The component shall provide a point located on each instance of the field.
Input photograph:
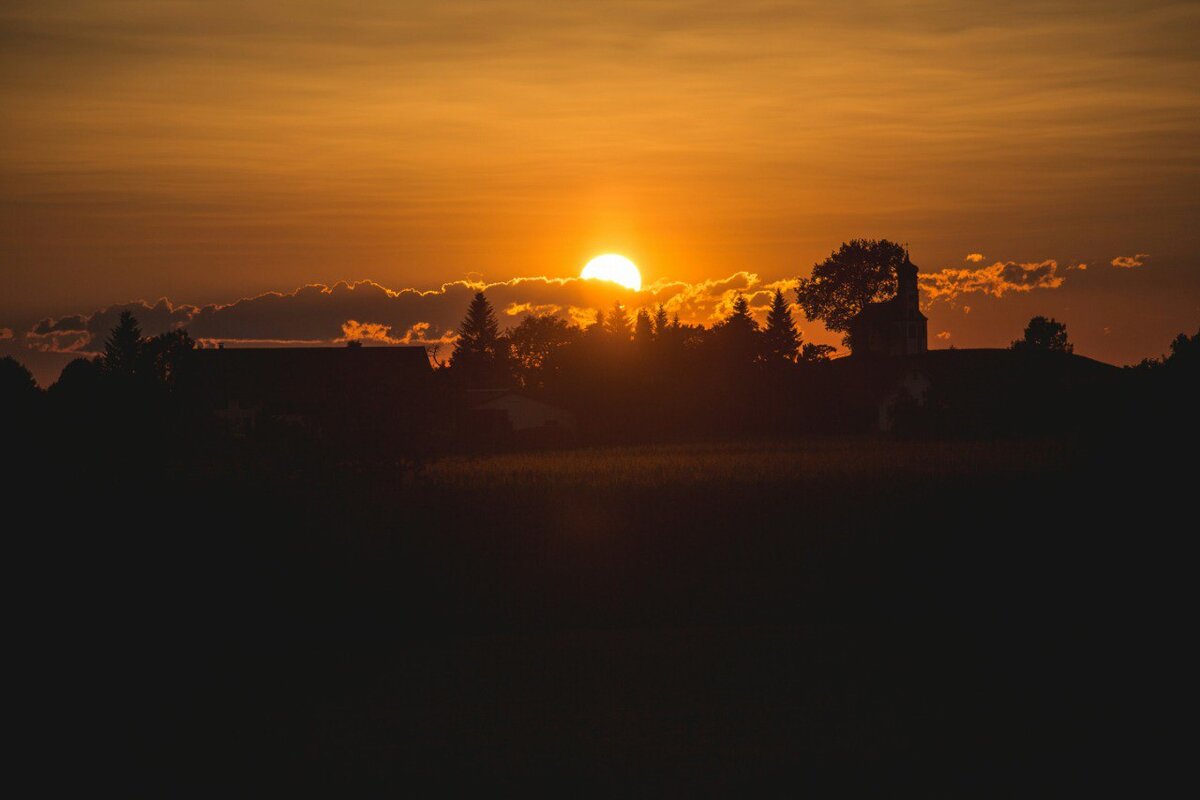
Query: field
(945, 616)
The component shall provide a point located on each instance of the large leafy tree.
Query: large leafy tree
(164, 356)
(781, 342)
(18, 389)
(1046, 334)
(535, 344)
(859, 272)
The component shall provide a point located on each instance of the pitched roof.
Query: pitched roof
(311, 376)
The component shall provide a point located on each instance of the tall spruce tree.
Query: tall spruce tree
(737, 336)
(661, 322)
(123, 347)
(643, 328)
(479, 350)
(616, 324)
(781, 342)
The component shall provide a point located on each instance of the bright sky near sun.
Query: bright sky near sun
(210, 151)
(615, 268)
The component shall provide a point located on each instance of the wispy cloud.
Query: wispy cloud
(1130, 262)
(996, 280)
(974, 258)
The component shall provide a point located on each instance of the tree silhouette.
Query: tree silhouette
(737, 336)
(643, 328)
(812, 353)
(479, 352)
(1185, 352)
(18, 389)
(1045, 334)
(661, 322)
(616, 323)
(122, 348)
(780, 340)
(80, 379)
(165, 355)
(857, 273)
(535, 343)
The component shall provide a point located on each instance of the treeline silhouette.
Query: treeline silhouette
(645, 377)
(648, 375)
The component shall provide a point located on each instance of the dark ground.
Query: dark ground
(960, 631)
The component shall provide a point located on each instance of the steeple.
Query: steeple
(906, 280)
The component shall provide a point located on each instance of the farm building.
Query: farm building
(970, 391)
(345, 393)
(507, 415)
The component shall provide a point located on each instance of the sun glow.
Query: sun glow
(615, 268)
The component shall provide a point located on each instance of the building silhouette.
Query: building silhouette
(893, 327)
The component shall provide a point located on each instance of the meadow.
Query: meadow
(947, 616)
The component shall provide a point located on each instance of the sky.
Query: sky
(274, 171)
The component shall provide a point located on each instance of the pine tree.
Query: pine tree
(660, 320)
(122, 349)
(643, 328)
(780, 340)
(737, 335)
(479, 350)
(616, 323)
(740, 318)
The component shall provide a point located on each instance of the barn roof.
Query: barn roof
(312, 376)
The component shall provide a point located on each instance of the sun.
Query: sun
(615, 268)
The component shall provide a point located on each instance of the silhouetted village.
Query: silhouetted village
(637, 554)
(548, 382)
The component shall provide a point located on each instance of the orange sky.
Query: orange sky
(209, 151)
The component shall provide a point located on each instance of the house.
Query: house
(971, 392)
(893, 327)
(503, 415)
(340, 393)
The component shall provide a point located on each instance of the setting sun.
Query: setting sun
(615, 268)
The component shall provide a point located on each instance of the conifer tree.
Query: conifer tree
(479, 350)
(643, 328)
(737, 335)
(740, 318)
(122, 349)
(660, 320)
(616, 323)
(780, 340)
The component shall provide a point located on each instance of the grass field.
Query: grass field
(745, 463)
(946, 617)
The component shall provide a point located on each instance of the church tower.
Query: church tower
(908, 298)
(894, 327)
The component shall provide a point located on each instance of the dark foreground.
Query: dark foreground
(855, 616)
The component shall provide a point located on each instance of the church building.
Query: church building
(894, 327)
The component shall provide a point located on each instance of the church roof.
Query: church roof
(884, 312)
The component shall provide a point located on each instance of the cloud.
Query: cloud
(996, 280)
(372, 313)
(974, 258)
(84, 334)
(1130, 262)
(6, 334)
(944, 335)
